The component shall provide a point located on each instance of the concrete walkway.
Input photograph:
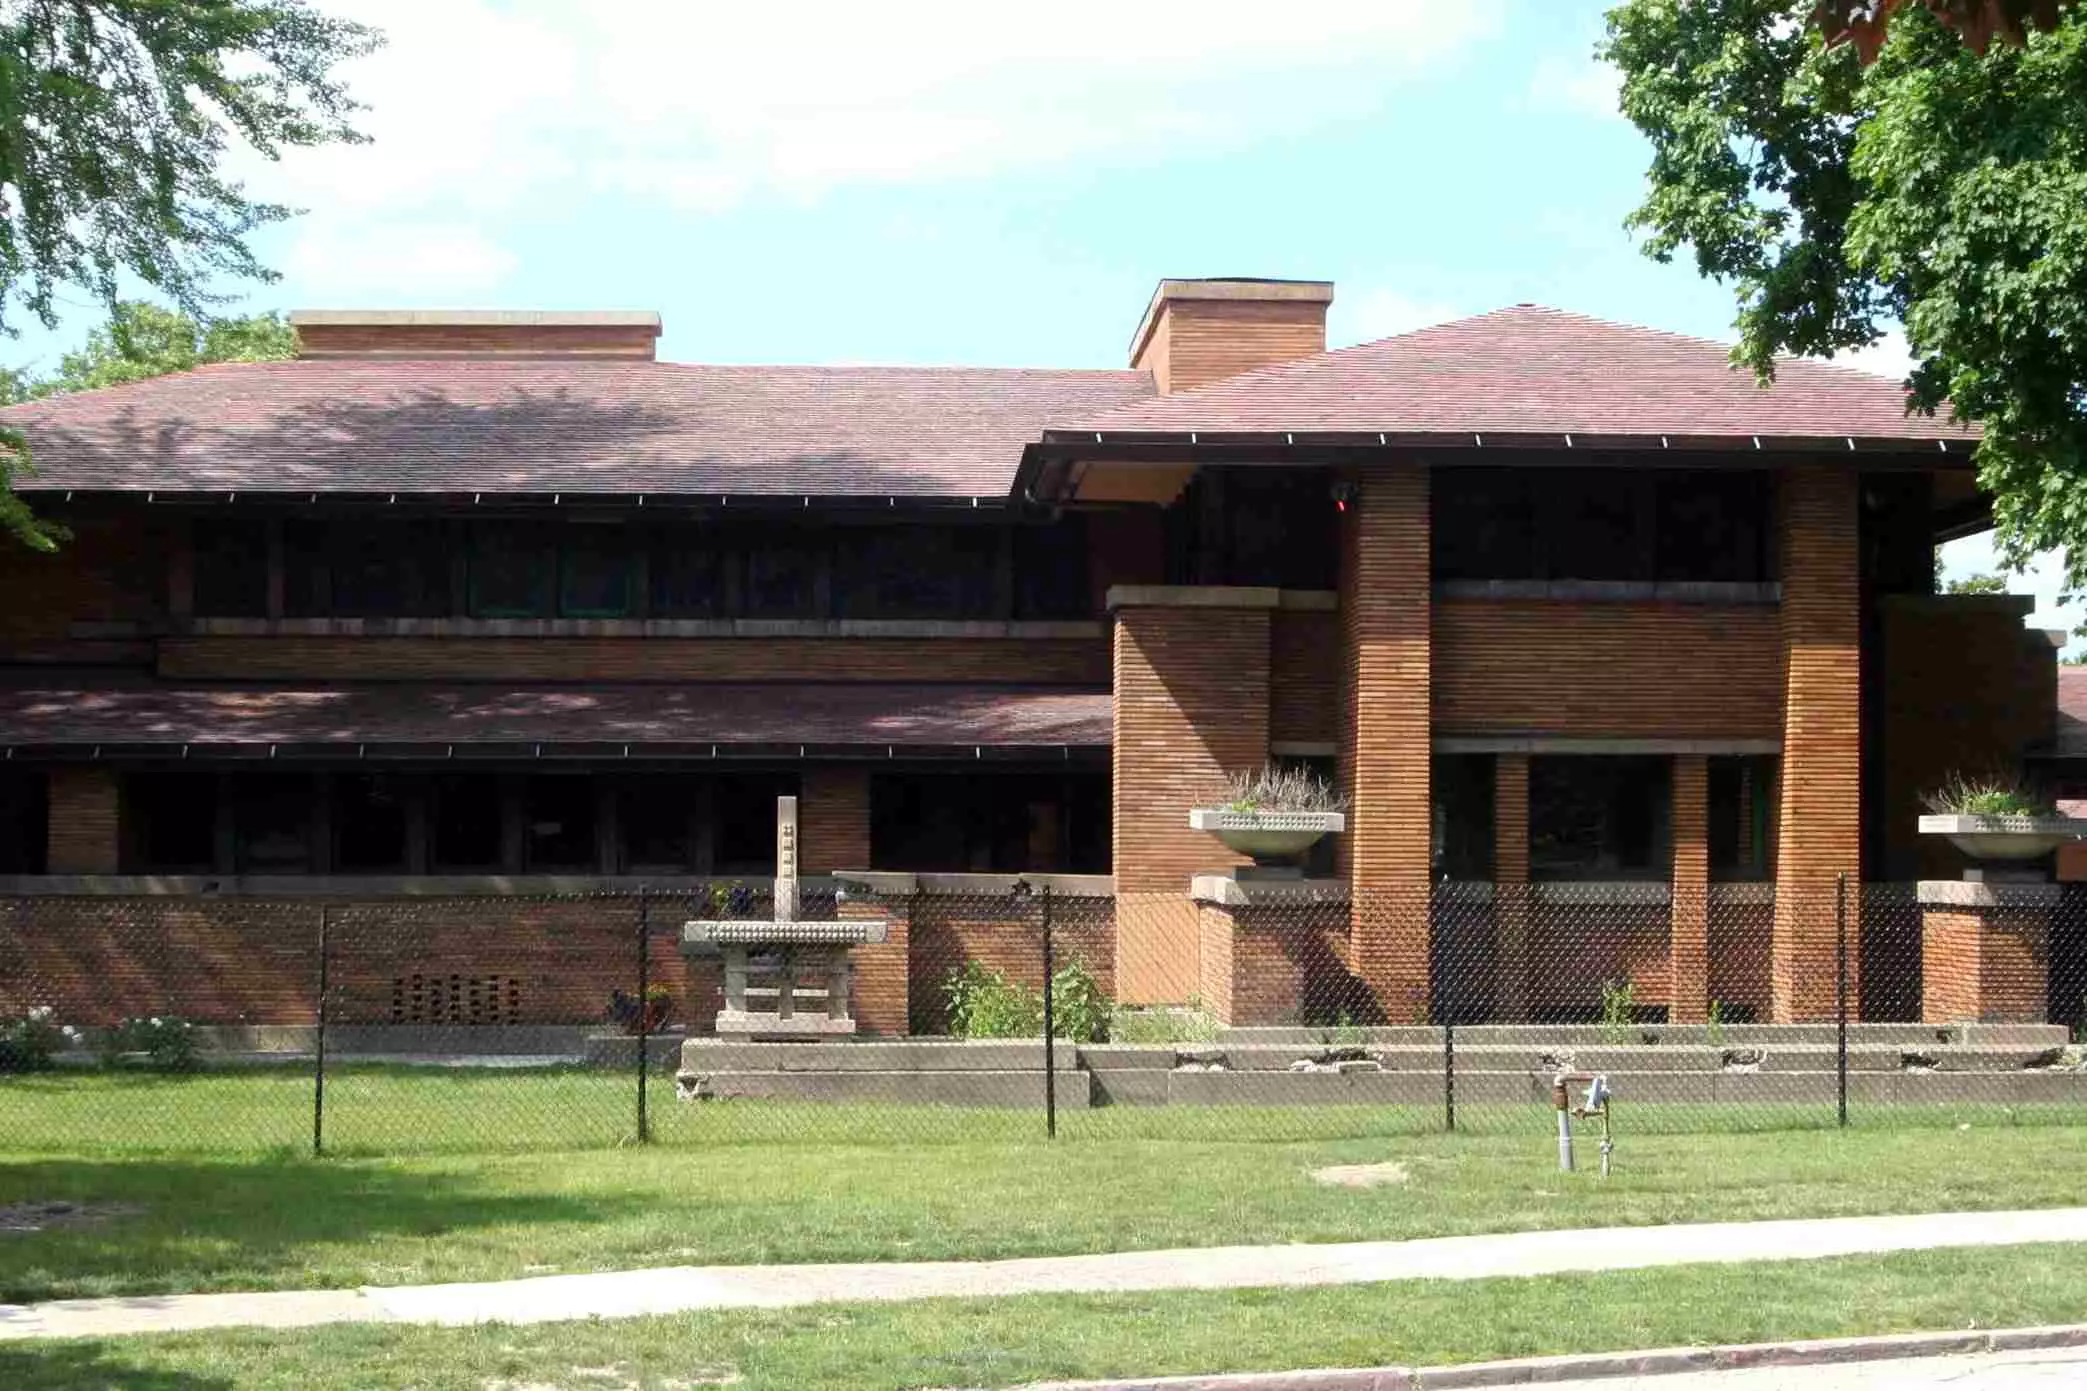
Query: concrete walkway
(675, 1289)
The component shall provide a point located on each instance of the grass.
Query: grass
(285, 1221)
(1001, 1342)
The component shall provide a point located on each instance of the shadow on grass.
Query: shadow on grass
(278, 1223)
(76, 1366)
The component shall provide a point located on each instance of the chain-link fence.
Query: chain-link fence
(1247, 1010)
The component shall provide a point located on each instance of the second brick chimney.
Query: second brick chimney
(1200, 331)
(426, 333)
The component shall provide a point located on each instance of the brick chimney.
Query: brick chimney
(425, 333)
(1200, 331)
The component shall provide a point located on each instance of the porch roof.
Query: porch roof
(414, 720)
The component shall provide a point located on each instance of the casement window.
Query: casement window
(466, 813)
(1742, 820)
(1604, 524)
(231, 568)
(271, 822)
(1600, 816)
(781, 576)
(1053, 577)
(514, 571)
(1008, 823)
(372, 823)
(662, 819)
(690, 575)
(596, 572)
(924, 572)
(24, 820)
(169, 823)
(558, 819)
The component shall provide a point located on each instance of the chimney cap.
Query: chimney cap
(475, 318)
(1227, 287)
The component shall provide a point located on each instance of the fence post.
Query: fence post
(1446, 1001)
(1050, 968)
(1840, 993)
(319, 1051)
(644, 1012)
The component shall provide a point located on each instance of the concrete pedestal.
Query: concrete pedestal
(1985, 951)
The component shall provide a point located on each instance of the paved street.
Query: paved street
(1999, 1371)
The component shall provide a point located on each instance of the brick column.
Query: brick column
(1985, 952)
(1819, 832)
(1511, 886)
(1191, 710)
(833, 815)
(1688, 914)
(881, 989)
(82, 832)
(1386, 751)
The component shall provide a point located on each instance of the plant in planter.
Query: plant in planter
(1274, 814)
(1997, 817)
(649, 1016)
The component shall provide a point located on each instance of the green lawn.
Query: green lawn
(1001, 1342)
(270, 1222)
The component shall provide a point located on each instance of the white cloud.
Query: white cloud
(482, 106)
(388, 262)
(1574, 87)
(1371, 314)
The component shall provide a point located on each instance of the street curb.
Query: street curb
(1540, 1371)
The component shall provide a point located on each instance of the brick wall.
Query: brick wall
(1820, 826)
(1615, 670)
(112, 570)
(1739, 938)
(1197, 342)
(833, 809)
(1689, 994)
(1049, 661)
(1266, 965)
(881, 991)
(1991, 965)
(482, 340)
(1583, 945)
(1386, 750)
(83, 834)
(1304, 676)
(949, 931)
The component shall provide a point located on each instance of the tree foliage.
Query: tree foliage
(1977, 584)
(1938, 187)
(1867, 23)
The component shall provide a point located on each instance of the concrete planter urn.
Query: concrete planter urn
(1267, 836)
(2005, 837)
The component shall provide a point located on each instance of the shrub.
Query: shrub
(1619, 1010)
(984, 1003)
(1280, 788)
(1189, 1023)
(29, 1043)
(1987, 794)
(161, 1043)
(1079, 1009)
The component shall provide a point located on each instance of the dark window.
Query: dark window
(370, 823)
(780, 577)
(231, 569)
(466, 823)
(1602, 524)
(558, 821)
(170, 822)
(744, 830)
(1599, 817)
(1463, 816)
(1715, 526)
(660, 817)
(1279, 527)
(272, 823)
(1484, 525)
(514, 571)
(595, 572)
(1004, 824)
(917, 571)
(1742, 799)
(689, 576)
(1595, 524)
(388, 569)
(1053, 576)
(24, 821)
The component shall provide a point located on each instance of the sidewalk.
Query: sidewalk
(625, 1294)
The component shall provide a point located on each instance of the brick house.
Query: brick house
(458, 604)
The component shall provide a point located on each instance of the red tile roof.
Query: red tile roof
(1531, 370)
(567, 426)
(741, 716)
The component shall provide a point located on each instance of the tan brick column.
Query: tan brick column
(1385, 745)
(1819, 832)
(1191, 710)
(1511, 886)
(833, 813)
(1985, 952)
(82, 834)
(1688, 915)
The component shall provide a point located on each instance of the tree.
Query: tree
(1977, 584)
(1867, 23)
(116, 117)
(1938, 187)
(144, 340)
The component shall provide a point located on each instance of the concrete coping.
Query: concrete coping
(1226, 891)
(1743, 891)
(1219, 596)
(1967, 893)
(1263, 291)
(1619, 892)
(1615, 591)
(923, 629)
(365, 886)
(475, 318)
(902, 884)
(760, 931)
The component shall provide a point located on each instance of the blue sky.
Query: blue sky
(934, 182)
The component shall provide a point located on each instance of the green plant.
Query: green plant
(29, 1043)
(1714, 1024)
(1188, 1022)
(1281, 787)
(1079, 1009)
(1987, 794)
(1619, 1010)
(1346, 1032)
(983, 1003)
(160, 1043)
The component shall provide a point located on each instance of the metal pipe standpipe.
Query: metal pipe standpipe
(1595, 1102)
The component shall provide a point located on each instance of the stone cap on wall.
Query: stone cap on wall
(1220, 596)
(900, 884)
(1967, 893)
